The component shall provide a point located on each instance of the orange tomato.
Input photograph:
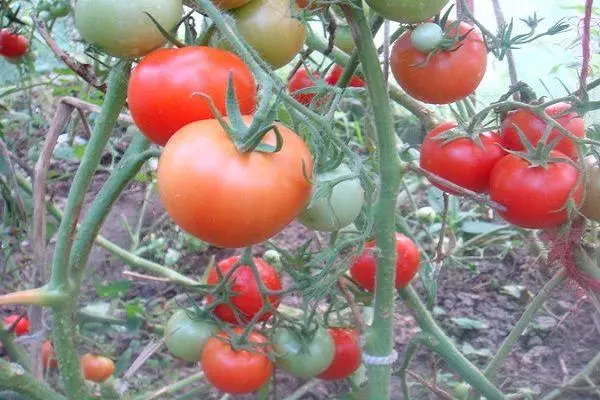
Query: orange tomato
(48, 356)
(97, 368)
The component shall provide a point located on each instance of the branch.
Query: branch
(14, 378)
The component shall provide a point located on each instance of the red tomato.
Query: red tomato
(533, 127)
(302, 80)
(228, 198)
(336, 72)
(407, 264)
(247, 299)
(236, 371)
(48, 355)
(97, 368)
(347, 356)
(22, 327)
(12, 45)
(535, 197)
(461, 161)
(447, 76)
(163, 88)
(314, 6)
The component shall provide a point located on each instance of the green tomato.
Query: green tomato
(185, 337)
(427, 36)
(407, 11)
(303, 357)
(60, 9)
(121, 28)
(331, 209)
(343, 39)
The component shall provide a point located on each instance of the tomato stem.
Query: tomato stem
(13, 378)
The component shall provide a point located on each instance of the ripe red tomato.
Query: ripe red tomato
(301, 80)
(535, 197)
(236, 371)
(347, 356)
(461, 161)
(12, 45)
(407, 263)
(22, 327)
(228, 198)
(48, 355)
(97, 368)
(163, 88)
(533, 127)
(247, 300)
(447, 76)
(336, 72)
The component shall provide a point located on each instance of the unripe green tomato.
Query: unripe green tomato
(121, 28)
(343, 39)
(461, 391)
(60, 9)
(339, 207)
(273, 257)
(426, 36)
(316, 357)
(407, 11)
(426, 214)
(185, 337)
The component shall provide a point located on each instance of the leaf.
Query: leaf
(427, 275)
(469, 323)
(113, 289)
(477, 227)
(515, 291)
(469, 350)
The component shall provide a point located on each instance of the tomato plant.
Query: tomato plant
(301, 80)
(12, 45)
(185, 337)
(408, 11)
(347, 356)
(535, 197)
(447, 75)
(48, 355)
(534, 128)
(237, 371)
(22, 327)
(303, 356)
(591, 203)
(97, 368)
(245, 298)
(363, 268)
(336, 72)
(460, 160)
(201, 176)
(164, 87)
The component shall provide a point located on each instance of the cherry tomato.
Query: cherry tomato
(347, 356)
(12, 45)
(462, 160)
(48, 355)
(228, 198)
(447, 76)
(533, 127)
(407, 264)
(236, 371)
(302, 80)
(97, 368)
(535, 197)
(22, 327)
(303, 357)
(246, 300)
(591, 204)
(121, 28)
(408, 11)
(343, 39)
(163, 89)
(185, 337)
(335, 74)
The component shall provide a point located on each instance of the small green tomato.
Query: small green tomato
(427, 37)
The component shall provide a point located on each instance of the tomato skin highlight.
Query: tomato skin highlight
(307, 359)
(535, 197)
(461, 161)
(335, 74)
(12, 46)
(533, 127)
(407, 11)
(363, 269)
(227, 198)
(22, 327)
(185, 337)
(247, 299)
(301, 80)
(448, 76)
(347, 356)
(97, 368)
(236, 371)
(162, 89)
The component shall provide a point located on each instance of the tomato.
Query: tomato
(48, 355)
(121, 28)
(246, 300)
(12, 45)
(163, 89)
(268, 26)
(535, 197)
(336, 72)
(97, 368)
(408, 11)
(407, 264)
(228, 198)
(462, 160)
(311, 5)
(591, 204)
(343, 39)
(303, 357)
(337, 206)
(301, 80)
(533, 127)
(447, 76)
(230, 4)
(236, 371)
(426, 37)
(22, 326)
(347, 356)
(185, 337)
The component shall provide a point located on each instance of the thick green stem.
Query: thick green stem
(380, 341)
(15, 352)
(14, 378)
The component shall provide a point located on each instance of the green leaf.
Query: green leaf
(469, 323)
(515, 291)
(113, 289)
(427, 276)
(469, 350)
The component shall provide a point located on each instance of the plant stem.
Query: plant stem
(14, 378)
(172, 388)
(380, 342)
(583, 374)
(15, 352)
